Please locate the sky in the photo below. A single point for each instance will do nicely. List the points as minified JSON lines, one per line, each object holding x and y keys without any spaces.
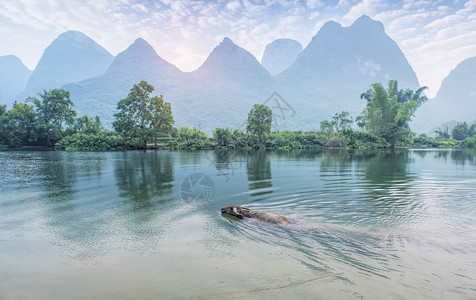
{"x":434,"y":35}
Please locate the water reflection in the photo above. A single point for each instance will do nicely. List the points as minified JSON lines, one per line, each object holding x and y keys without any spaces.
{"x":143,"y":177}
{"x":395,"y":219}
{"x":258,"y":168}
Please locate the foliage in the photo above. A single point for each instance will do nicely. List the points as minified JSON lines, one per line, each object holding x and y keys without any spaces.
{"x":424,"y":141}
{"x":222,"y":137}
{"x":403,"y":96}
{"x":53,"y":111}
{"x":342,"y":121}
{"x":18,"y":125}
{"x":88,"y":125}
{"x":469,"y":142}
{"x":259,"y":122}
{"x":162,"y":119}
{"x":188,"y":134}
{"x":363,"y":140}
{"x":295,"y":140}
{"x":386,"y":117}
{"x":88,"y":142}
{"x":443,"y":134}
{"x":142,"y":117}
{"x":462,"y":131}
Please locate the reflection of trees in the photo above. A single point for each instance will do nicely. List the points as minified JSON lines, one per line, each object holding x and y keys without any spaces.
{"x":458,"y":156}
{"x":72,"y":211}
{"x":57,"y":175}
{"x":144,"y":176}
{"x":228,"y":161}
{"x":301,"y":154}
{"x":386,"y":168}
{"x":258,"y":166}
{"x":461,"y":157}
{"x":145,"y":182}
{"x":192,"y":157}
{"x":336,"y":160}
{"x":442,"y":154}
{"x":388,"y":184}
{"x":380,"y":182}
{"x":421,"y":153}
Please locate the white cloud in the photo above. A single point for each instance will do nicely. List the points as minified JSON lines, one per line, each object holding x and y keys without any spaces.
{"x":366,"y":7}
{"x":234,"y":5}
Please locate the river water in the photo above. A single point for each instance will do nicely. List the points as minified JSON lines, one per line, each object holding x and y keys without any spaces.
{"x":147,"y":225}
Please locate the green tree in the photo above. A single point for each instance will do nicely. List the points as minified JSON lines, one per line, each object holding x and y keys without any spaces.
{"x":53,"y":111}
{"x":460,"y":131}
{"x":342,"y":121}
{"x":222,"y":137}
{"x":442,"y":134}
{"x":21,"y":125}
{"x":472,"y":130}
{"x":162,"y":120}
{"x":387,"y":118}
{"x":3,"y":126}
{"x":260,"y":118}
{"x":142,"y":117}
{"x":403,"y":96}
{"x":188,"y":134}
{"x":327,"y":126}
{"x":88,"y":125}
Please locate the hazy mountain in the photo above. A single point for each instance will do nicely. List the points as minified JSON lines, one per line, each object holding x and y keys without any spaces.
{"x":223,"y":89}
{"x":327,"y":77}
{"x":72,"y":56}
{"x":280,"y":55}
{"x":337,"y":66}
{"x":456,"y":99}
{"x":13,"y":78}
{"x":99,"y":95}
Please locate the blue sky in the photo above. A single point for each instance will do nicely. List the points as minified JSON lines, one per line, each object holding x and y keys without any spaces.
{"x":434,"y":35}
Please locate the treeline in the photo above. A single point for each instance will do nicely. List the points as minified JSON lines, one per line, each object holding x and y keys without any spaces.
{"x":47,"y":120}
{"x":144,"y":121}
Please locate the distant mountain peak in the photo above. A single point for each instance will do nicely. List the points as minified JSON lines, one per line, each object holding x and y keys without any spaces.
{"x":280,"y":55}
{"x":227,"y":41}
{"x":141,"y":45}
{"x":140,"y":55}
{"x":228,"y":60}
{"x":10,"y":58}
{"x":331,"y":26}
{"x":141,"y":41}
{"x":13,"y":78}
{"x":71,"y":57}
{"x":367,"y":23}
{"x":226,"y":45}
{"x":72,"y":33}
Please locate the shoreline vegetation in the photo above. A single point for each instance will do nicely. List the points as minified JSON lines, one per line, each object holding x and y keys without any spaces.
{"x":143,"y":121}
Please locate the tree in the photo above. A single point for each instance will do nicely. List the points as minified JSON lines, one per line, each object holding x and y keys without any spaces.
{"x":472,"y":130}
{"x":460,"y":131}
{"x":442,"y":134}
{"x":188,"y":134}
{"x":53,"y":111}
{"x":222,"y":136}
{"x":260,"y":118}
{"x":3,"y":125}
{"x":327,"y":126}
{"x":142,"y":117}
{"x":162,"y":120}
{"x":88,"y":125}
{"x":342,"y":121}
{"x":21,"y":125}
{"x":387,"y":118}
{"x":403,"y":96}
